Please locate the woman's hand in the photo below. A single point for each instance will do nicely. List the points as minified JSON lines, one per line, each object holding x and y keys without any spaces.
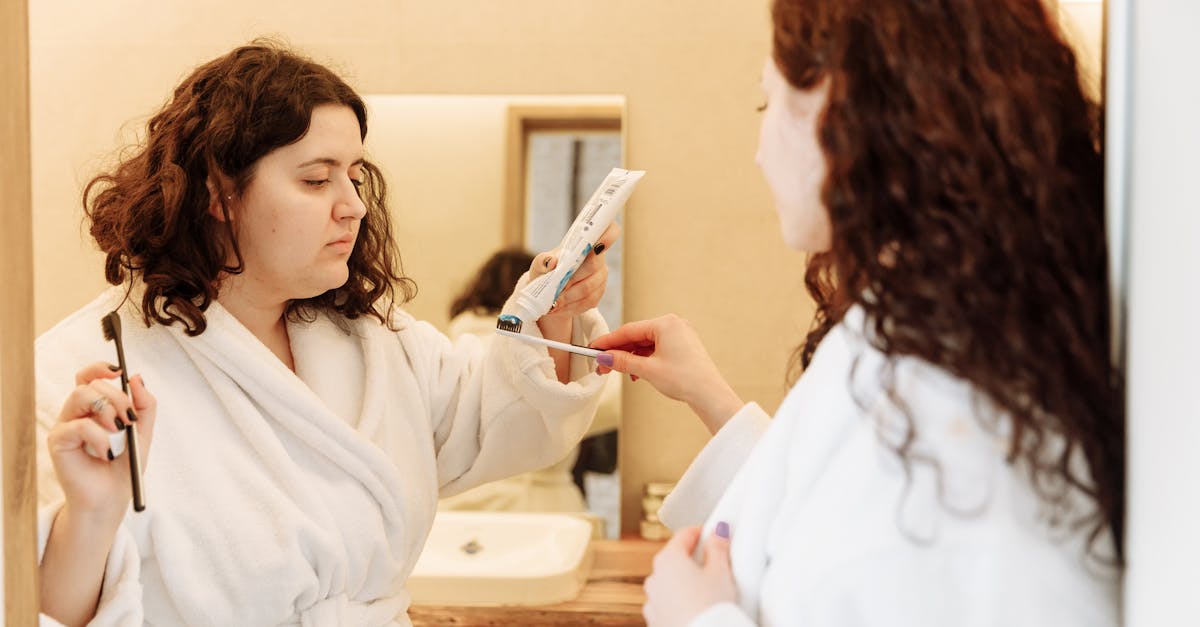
{"x":679,"y":589}
{"x":97,"y":489}
{"x":581,"y":293}
{"x":586,"y":287}
{"x":667,"y":353}
{"x":94,"y":485}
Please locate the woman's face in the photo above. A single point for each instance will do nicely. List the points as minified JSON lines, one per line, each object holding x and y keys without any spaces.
{"x":791,"y":159}
{"x":298,"y":218}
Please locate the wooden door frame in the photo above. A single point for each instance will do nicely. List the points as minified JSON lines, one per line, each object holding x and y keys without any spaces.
{"x":17,"y":446}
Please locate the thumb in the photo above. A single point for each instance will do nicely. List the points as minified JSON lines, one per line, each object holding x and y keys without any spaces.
{"x":542,"y":263}
{"x":716,"y":549}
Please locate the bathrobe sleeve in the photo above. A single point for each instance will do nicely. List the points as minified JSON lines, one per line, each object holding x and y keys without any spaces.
{"x":697,"y":492}
{"x":907,"y":586}
{"x":500,"y":410}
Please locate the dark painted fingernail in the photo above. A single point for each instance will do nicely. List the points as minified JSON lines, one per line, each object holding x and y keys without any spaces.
{"x":132,"y":416}
{"x":114,"y":368}
{"x":605,"y":359}
{"x":120,"y":423}
{"x":110,"y":455}
{"x":599,"y":249}
{"x":723,"y":530}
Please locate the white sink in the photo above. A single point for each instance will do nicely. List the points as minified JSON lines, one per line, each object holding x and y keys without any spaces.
{"x":501,"y":558}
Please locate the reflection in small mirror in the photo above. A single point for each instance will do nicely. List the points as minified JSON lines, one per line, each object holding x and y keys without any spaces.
{"x":474,"y":183}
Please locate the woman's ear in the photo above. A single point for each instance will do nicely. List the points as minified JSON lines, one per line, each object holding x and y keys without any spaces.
{"x":214,"y":202}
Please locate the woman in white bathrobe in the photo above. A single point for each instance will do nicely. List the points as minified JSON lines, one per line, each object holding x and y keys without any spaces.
{"x":301,"y":427}
{"x":953,"y":453}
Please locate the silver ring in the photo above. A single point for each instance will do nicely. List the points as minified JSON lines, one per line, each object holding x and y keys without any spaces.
{"x":99,"y":404}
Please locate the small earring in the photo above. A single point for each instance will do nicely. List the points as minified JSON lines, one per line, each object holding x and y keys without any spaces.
{"x":229,"y":197}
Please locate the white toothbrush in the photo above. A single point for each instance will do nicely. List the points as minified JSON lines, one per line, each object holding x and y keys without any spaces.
{"x":570,"y":348}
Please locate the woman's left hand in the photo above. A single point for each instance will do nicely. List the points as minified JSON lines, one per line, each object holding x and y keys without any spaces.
{"x":586,"y":287}
{"x":679,"y":589}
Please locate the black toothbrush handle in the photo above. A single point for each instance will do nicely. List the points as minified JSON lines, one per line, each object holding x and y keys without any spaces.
{"x":135,"y":466}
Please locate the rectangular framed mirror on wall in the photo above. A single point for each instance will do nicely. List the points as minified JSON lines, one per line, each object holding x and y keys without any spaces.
{"x":477,"y":185}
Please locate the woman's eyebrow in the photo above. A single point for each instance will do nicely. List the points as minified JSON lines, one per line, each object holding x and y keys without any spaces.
{"x":329,"y":161}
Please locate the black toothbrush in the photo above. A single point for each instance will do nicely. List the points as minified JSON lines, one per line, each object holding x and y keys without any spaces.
{"x":111,"y":324}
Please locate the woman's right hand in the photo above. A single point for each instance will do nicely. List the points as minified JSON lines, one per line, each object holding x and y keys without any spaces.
{"x":97,"y":489}
{"x":668,"y":354}
{"x":94,"y":485}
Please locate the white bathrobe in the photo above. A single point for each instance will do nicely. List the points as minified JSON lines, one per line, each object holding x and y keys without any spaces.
{"x":304,"y":498}
{"x":827,"y":530}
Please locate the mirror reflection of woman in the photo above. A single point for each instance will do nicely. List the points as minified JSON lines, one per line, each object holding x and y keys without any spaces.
{"x":953,"y":452}
{"x":297,"y":426}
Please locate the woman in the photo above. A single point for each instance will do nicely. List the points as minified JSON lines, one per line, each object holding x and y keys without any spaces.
{"x":953,"y":453}
{"x":301,"y":427}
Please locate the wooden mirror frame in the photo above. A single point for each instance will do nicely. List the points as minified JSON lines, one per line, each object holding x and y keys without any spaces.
{"x":523,"y":119}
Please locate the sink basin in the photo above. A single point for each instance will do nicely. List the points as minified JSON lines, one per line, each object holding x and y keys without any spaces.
{"x":502,"y":558}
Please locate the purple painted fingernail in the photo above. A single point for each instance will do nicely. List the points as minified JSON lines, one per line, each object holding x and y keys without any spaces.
{"x":723,"y":530}
{"x":599,"y":249}
{"x":605,"y":359}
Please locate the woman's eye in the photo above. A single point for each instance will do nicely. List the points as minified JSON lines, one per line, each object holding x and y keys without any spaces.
{"x":358,"y":182}
{"x":317,"y":183}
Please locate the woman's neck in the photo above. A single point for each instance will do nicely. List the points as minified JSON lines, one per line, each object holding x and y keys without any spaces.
{"x":263,"y":316}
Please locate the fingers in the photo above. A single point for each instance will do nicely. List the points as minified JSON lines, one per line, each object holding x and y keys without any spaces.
{"x":635,"y":366}
{"x":145,"y":405}
{"x":143,"y":400}
{"x":684,"y":541}
{"x":639,"y":333}
{"x":716,"y":549}
{"x":583,"y":288}
{"x":99,"y":401}
{"x":96,"y":370}
{"x":543,"y":263}
{"x":607,"y":238}
{"x":77,"y":434}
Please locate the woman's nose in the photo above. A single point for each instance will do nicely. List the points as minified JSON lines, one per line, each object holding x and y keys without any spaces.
{"x":350,"y":205}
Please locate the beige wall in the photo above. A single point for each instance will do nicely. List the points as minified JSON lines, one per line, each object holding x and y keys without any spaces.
{"x":701,"y":236}
{"x":427,"y":147}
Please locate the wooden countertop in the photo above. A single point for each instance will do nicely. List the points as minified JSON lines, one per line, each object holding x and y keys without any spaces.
{"x":611,"y":597}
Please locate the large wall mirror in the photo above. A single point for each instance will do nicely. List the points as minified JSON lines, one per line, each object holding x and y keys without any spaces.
{"x":472,"y":176}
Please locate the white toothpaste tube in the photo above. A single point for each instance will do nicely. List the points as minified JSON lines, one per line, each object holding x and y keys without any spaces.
{"x":536,"y":298}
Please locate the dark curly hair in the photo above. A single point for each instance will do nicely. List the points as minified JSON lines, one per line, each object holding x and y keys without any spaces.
{"x":493,"y":284}
{"x":150,"y":215}
{"x":965,"y":195}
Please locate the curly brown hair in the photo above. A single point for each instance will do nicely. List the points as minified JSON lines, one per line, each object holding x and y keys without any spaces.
{"x":965,"y":195}
{"x":493,"y":283}
{"x":150,"y":215}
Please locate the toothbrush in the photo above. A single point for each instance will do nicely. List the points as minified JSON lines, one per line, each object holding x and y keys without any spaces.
{"x":111,"y":325}
{"x":570,"y":348}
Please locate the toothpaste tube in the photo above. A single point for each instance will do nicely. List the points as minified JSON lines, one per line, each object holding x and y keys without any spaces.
{"x":536,"y":298}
